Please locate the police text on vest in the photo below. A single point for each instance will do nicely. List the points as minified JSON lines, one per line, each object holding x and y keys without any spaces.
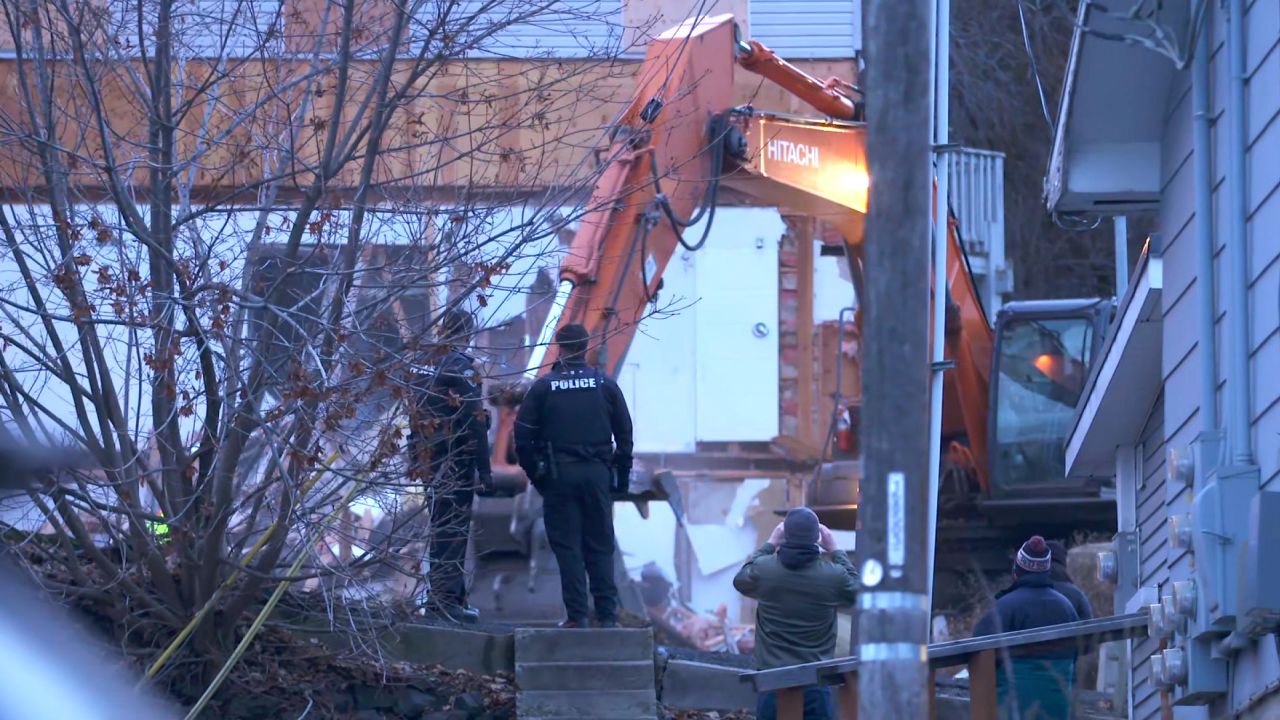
{"x":574,"y":384}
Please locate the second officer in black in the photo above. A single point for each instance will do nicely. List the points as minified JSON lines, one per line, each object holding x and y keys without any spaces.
{"x":449,"y":453}
{"x":573,"y":440}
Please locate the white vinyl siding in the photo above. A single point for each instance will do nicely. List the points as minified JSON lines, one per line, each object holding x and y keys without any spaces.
{"x":201,"y":28}
{"x":537,"y":28}
{"x":231,"y":28}
{"x":808,"y":29}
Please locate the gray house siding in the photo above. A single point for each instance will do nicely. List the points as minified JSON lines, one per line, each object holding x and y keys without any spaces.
{"x":1262,"y":102}
{"x":1153,"y":541}
{"x":1182,"y":356}
{"x":808,"y":28}
{"x":564,"y":29}
{"x":1262,"y":58}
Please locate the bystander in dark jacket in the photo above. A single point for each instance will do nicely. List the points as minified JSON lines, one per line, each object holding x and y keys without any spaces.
{"x":1043,"y":677}
{"x":799,"y":578}
{"x":1063,"y":583}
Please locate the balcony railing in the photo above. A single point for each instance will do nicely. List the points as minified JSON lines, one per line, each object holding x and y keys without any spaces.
{"x":976,"y":192}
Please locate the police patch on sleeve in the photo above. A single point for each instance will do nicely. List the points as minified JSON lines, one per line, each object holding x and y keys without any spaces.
{"x":471,"y":375}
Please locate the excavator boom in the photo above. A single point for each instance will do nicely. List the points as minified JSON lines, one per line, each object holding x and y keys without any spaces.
{"x":671,"y":149}
{"x":676,"y":144}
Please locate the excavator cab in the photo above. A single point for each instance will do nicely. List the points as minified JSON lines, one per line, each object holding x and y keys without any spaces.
{"x":1043,"y":352}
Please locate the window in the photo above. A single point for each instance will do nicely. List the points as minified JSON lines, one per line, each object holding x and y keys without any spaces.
{"x":808,"y":29}
{"x":1041,"y":371}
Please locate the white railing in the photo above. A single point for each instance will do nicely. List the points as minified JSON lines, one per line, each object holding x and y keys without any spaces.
{"x":976,"y":190}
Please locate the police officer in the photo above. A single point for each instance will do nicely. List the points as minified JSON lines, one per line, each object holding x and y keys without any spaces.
{"x":449,"y":452}
{"x":573,"y":440}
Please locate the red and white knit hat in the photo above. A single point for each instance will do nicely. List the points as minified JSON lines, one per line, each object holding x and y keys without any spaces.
{"x":1034,"y":555}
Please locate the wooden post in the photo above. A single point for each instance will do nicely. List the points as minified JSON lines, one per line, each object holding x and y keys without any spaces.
{"x":791,"y":704}
{"x":933,"y":694}
{"x":847,"y":697}
{"x":982,"y":686}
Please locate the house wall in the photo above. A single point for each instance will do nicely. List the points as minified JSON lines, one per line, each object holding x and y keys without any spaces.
{"x":1153,"y":539}
{"x":807,"y":28}
{"x":544,"y":123}
{"x":1182,"y":356}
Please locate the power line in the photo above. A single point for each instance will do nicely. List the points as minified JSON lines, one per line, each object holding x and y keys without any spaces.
{"x":1035,"y":69}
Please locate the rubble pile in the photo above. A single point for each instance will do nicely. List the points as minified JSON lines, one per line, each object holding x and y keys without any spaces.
{"x":675,"y":624}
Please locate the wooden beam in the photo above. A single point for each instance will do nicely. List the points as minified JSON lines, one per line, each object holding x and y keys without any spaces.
{"x":933,"y":694}
{"x":982,"y":686}
{"x":806,"y":389}
{"x":847,"y":697}
{"x":791,"y":704}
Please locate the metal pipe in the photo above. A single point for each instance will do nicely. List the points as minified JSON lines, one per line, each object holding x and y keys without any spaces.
{"x":1230,"y":645}
{"x":942,"y":120}
{"x":824,"y":98}
{"x":1202,"y":167}
{"x":1121,"y":224}
{"x":1239,"y":431}
{"x":547,"y":334}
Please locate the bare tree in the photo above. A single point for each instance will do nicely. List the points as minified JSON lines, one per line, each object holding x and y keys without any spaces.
{"x":1009,"y":58}
{"x":231,"y":226}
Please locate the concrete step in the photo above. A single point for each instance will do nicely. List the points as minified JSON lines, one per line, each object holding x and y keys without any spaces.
{"x":692,"y":685}
{"x":618,"y":644}
{"x":578,"y":704}
{"x":600,"y":675}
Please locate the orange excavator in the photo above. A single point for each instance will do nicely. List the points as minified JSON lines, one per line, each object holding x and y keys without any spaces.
{"x":1009,"y":395}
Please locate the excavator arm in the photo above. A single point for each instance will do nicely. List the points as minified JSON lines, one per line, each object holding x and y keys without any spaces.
{"x":672,"y":149}
{"x":676,"y":145}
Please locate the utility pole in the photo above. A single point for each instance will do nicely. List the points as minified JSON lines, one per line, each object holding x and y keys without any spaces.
{"x":892,"y":544}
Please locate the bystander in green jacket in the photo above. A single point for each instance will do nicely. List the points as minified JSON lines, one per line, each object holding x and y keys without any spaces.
{"x":799,"y":586}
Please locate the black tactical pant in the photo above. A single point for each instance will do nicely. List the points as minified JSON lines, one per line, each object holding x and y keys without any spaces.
{"x":451,"y":488}
{"x":578,"y":514}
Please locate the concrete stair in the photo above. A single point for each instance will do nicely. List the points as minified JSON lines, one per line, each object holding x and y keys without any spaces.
{"x":601,"y":674}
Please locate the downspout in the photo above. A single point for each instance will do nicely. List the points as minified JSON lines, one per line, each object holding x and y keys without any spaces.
{"x":1202,"y":168}
{"x":941,"y":226}
{"x":1239,"y":431}
{"x":1238,"y":420}
{"x":1209,"y":445}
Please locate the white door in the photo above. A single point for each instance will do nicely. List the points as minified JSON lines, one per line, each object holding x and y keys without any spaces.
{"x":657,"y":376}
{"x":737,"y":326}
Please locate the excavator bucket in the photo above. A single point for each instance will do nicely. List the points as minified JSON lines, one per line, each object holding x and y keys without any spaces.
{"x":647,"y":486}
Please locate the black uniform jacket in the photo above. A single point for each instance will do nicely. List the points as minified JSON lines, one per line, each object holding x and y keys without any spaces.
{"x":450,"y":414}
{"x":581,"y":413}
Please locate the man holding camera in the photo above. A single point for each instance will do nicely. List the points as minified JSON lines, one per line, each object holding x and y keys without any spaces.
{"x":573,"y":440}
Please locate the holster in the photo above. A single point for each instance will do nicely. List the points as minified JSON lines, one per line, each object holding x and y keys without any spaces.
{"x":546,"y":469}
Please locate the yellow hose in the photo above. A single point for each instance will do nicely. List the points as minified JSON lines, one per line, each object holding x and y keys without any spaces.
{"x":266,"y":611}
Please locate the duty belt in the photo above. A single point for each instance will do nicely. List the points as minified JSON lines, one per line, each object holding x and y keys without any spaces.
{"x":571,"y":453}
